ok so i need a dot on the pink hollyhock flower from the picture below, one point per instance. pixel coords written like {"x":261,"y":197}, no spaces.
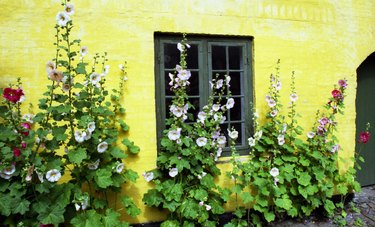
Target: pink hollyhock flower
{"x":23,"y":145}
{"x":337,"y":94}
{"x":16,"y":152}
{"x":13,"y":95}
{"x":343,"y":83}
{"x":323,"y":121}
{"x":364,"y":137}
{"x":25,"y":128}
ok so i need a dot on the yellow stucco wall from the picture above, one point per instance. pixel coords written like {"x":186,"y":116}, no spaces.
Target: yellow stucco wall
{"x":321,"y":40}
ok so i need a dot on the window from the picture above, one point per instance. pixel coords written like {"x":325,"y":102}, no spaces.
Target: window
{"x":206,"y":58}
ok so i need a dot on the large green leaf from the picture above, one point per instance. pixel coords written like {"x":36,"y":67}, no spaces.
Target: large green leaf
{"x":77,"y":156}
{"x":87,"y":219}
{"x":22,"y":207}
{"x":103,"y":178}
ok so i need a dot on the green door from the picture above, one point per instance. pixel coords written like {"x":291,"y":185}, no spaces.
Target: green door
{"x":365,"y":104}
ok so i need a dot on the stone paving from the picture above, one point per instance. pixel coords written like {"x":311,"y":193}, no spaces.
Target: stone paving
{"x":364,"y":201}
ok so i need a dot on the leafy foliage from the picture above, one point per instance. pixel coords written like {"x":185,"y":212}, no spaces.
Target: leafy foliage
{"x":288,"y":176}
{"x":186,"y":167}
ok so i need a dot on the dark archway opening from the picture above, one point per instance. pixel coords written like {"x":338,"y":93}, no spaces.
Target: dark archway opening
{"x":365,"y":106}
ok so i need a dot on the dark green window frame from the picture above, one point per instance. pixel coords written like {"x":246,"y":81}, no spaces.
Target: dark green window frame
{"x":208,"y":50}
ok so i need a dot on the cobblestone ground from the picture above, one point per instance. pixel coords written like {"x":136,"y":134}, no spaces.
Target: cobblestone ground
{"x":364,"y":201}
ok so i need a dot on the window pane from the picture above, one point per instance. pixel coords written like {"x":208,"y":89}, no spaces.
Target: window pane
{"x":171,"y":55}
{"x":193,"y":88}
{"x":235,"y":57}
{"x":192,"y":57}
{"x":236,"y":112}
{"x":218,"y":58}
{"x":235,"y":83}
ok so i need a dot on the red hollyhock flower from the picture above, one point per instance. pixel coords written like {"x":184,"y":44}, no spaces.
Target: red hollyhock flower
{"x":364,"y":137}
{"x":13,"y":95}
{"x":23,"y":144}
{"x":26,"y":127}
{"x":337,"y":94}
{"x":16,"y":152}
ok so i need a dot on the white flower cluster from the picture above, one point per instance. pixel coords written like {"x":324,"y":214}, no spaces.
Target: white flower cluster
{"x":208,"y":207}
{"x":63,"y":18}
{"x":274,"y":173}
{"x":81,"y":136}
{"x":257,"y":136}
{"x":181,"y":79}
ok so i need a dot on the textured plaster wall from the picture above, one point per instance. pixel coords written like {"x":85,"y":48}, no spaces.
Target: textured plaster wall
{"x":321,"y":40}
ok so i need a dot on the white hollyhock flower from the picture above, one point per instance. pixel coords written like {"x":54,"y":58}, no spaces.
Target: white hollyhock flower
{"x":258,"y":135}
{"x":219,"y":84}
{"x":149,"y":176}
{"x":173,"y":172}
{"x":273,"y":113}
{"x":227,"y":80}
{"x":91,"y":126}
{"x":201,"y":203}
{"x":268,"y":98}
{"x":293,"y":97}
{"x":216,"y":107}
{"x":180,"y":47}
{"x":50,"y":65}
{"x":95,"y":78}
{"x":174,"y":134}
{"x":202,"y":116}
{"x":184,"y":74}
{"x":230,"y":103}
{"x":251,"y":141}
{"x":120,"y":167}
{"x":106,"y":70}
{"x":219,"y":151}
{"x":10,"y":170}
{"x":277,"y":86}
{"x":62,"y":19}
{"x":271,"y":103}
{"x":28,"y":118}
{"x":69,"y":9}
{"x":310,"y":135}
{"x":176,"y":110}
{"x":65,"y":87}
{"x":221,"y":140}
{"x":208,"y":207}
{"x":93,"y":165}
{"x":53,"y":175}
{"x":84,"y":51}
{"x":79,"y":136}
{"x":233,"y":134}
{"x":102,"y":147}
{"x":121,"y":67}
{"x":274,"y":172}
{"x":281,"y":141}
{"x":201,"y":141}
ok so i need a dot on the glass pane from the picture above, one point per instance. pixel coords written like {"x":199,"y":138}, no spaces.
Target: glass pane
{"x":235,"y":83}
{"x":171,"y":55}
{"x":192,"y":57}
{"x":218,"y":58}
{"x":193,"y":88}
{"x":235,"y":57}
{"x":236,"y":111}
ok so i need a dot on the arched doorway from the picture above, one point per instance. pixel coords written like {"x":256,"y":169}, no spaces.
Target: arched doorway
{"x":365,"y":105}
